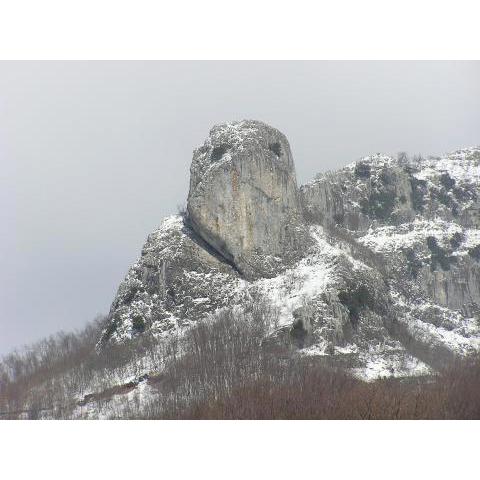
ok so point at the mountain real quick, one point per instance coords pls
(375, 267)
(354, 296)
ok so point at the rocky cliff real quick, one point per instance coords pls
(244, 200)
(375, 267)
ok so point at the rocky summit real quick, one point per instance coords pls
(244, 200)
(375, 267)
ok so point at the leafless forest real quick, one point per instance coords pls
(220, 369)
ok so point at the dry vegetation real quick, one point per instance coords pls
(309, 392)
(51, 377)
(221, 369)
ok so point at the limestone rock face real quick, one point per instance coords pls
(243, 199)
(176, 281)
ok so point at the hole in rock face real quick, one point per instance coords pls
(276, 148)
(218, 152)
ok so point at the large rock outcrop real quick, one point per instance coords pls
(379, 190)
(424, 213)
(243, 198)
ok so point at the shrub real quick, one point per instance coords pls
(447, 181)
(438, 255)
(386, 177)
(380, 204)
(419, 188)
(444, 198)
(414, 265)
(457, 239)
(182, 211)
(402, 158)
(130, 295)
(138, 324)
(218, 152)
(355, 299)
(362, 170)
(276, 148)
(465, 192)
(474, 252)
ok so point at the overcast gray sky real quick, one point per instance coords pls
(94, 154)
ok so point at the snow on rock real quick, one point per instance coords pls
(306, 280)
(393, 238)
(435, 325)
(462, 165)
(398, 364)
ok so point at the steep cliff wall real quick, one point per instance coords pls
(243, 198)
